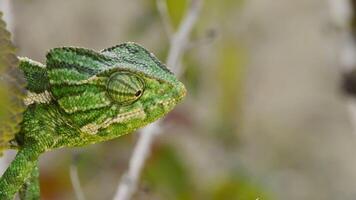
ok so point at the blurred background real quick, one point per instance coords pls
(266, 116)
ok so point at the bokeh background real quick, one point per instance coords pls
(265, 117)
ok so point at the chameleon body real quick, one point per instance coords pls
(82, 97)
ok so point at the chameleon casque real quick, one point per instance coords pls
(81, 97)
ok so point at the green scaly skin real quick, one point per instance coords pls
(30, 190)
(83, 97)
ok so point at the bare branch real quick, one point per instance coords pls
(141, 152)
(163, 12)
(181, 38)
(129, 182)
(74, 178)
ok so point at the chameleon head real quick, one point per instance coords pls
(140, 97)
(112, 92)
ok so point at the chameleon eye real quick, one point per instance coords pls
(125, 87)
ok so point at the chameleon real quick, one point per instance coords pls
(81, 97)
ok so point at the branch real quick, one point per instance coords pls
(163, 12)
(180, 39)
(179, 42)
(74, 178)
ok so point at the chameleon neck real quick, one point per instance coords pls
(42, 126)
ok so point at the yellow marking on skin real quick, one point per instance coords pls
(92, 79)
(93, 128)
(168, 102)
(32, 97)
(34, 63)
(138, 113)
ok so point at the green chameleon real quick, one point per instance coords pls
(82, 97)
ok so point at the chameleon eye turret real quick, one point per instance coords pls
(125, 87)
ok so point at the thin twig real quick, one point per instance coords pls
(163, 12)
(129, 182)
(74, 178)
(181, 37)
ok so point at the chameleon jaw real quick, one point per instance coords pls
(93, 128)
(138, 113)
